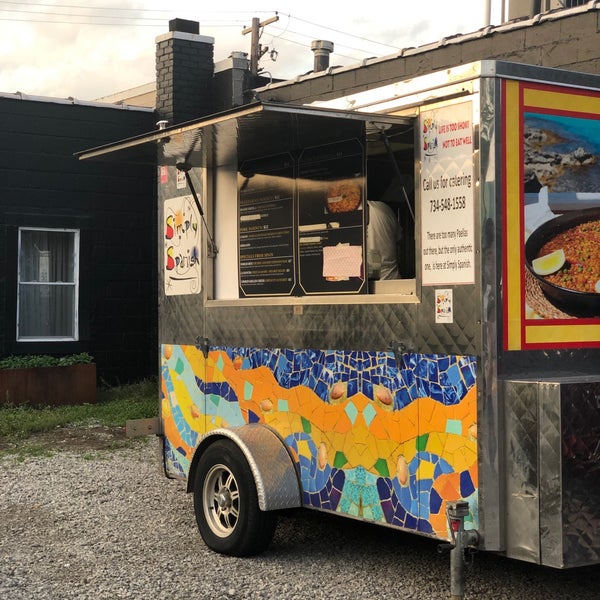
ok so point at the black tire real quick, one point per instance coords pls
(226, 503)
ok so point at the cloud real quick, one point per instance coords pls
(88, 61)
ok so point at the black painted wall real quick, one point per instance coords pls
(114, 205)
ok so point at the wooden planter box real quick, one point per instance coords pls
(48, 386)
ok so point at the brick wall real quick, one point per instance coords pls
(184, 72)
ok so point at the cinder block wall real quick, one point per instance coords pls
(564, 39)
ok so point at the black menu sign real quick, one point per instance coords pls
(331, 219)
(301, 222)
(266, 227)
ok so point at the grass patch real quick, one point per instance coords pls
(114, 407)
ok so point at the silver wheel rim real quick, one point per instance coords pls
(221, 500)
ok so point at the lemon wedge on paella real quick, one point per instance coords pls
(549, 263)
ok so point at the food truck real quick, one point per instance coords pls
(458, 398)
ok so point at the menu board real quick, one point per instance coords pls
(301, 222)
(331, 222)
(266, 227)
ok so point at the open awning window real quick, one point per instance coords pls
(242, 133)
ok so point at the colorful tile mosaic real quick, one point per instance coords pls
(372, 439)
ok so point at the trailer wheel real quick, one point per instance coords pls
(226, 503)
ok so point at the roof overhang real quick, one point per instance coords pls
(249, 131)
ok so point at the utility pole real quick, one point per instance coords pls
(256, 50)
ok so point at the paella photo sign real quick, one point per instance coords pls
(551, 216)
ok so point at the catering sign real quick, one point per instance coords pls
(447, 182)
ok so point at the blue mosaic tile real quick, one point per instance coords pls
(466, 484)
(432, 370)
(322, 477)
(436, 392)
(402, 398)
(410, 522)
(404, 495)
(425, 487)
(442, 467)
(451, 396)
(353, 386)
(443, 362)
(388, 510)
(338, 479)
(467, 369)
(322, 391)
(435, 502)
(451, 376)
(424, 526)
(422, 387)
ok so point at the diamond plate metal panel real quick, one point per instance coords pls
(462, 336)
(580, 458)
(522, 477)
(331, 326)
(550, 473)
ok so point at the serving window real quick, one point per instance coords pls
(332, 214)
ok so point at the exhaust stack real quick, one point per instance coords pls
(322, 50)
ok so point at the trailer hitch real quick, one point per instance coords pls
(462, 541)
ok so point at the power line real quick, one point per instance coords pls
(99, 23)
(120, 9)
(139, 20)
(336, 44)
(304, 45)
(342, 32)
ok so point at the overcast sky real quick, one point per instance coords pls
(91, 48)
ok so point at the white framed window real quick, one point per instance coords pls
(48, 285)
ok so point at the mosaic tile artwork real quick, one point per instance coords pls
(371, 438)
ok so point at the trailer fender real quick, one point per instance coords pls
(273, 470)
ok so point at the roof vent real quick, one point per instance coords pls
(322, 50)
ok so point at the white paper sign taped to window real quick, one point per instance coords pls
(342, 261)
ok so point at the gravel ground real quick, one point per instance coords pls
(108, 525)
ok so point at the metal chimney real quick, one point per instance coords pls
(322, 50)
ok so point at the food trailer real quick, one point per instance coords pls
(457, 399)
